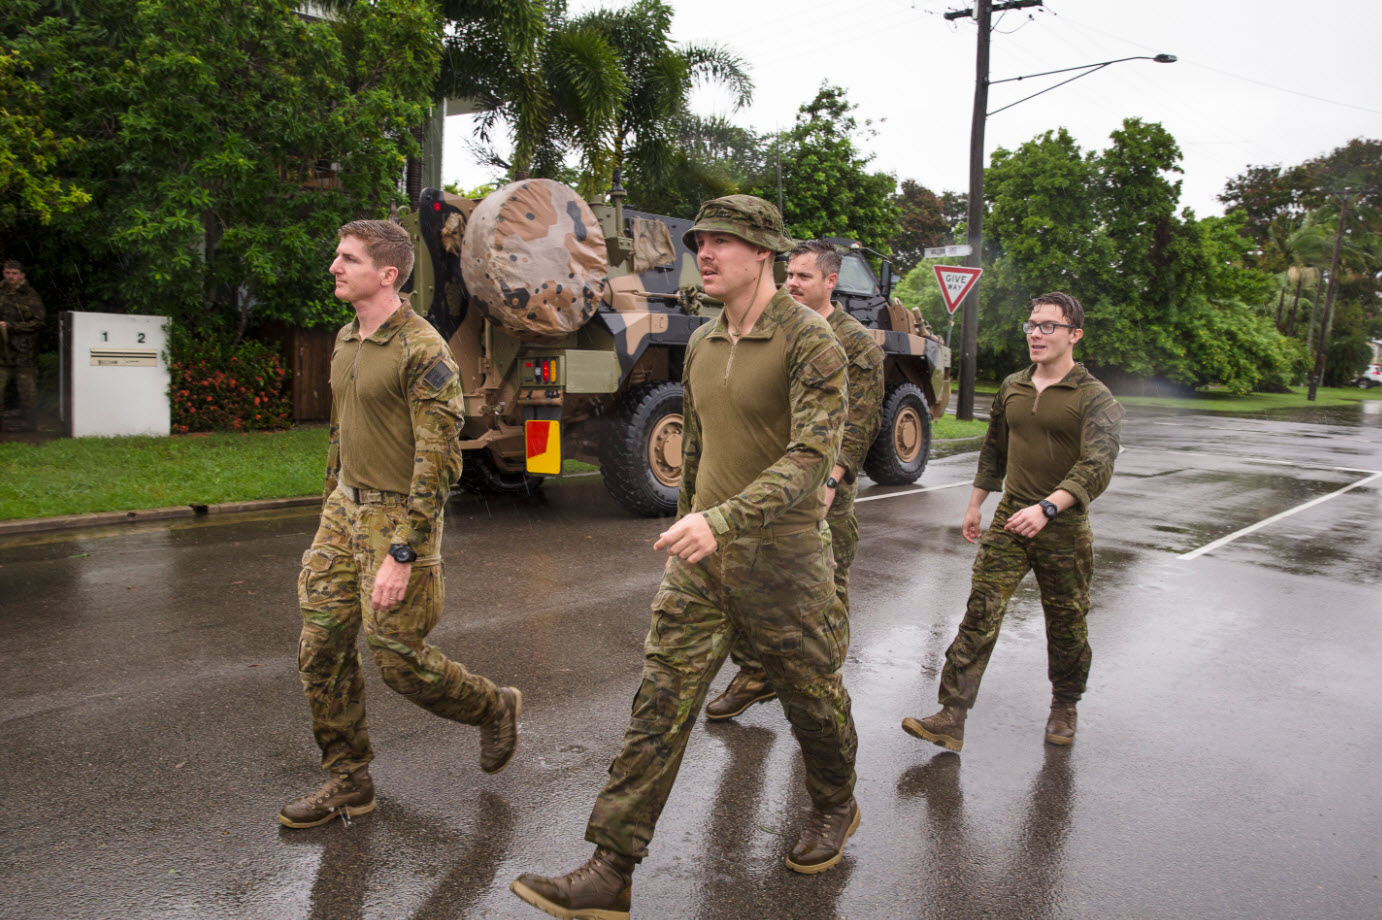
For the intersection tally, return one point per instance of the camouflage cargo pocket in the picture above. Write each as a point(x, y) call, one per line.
point(321, 582)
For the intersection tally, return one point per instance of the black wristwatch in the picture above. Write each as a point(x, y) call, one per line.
point(1049, 509)
point(402, 552)
point(831, 482)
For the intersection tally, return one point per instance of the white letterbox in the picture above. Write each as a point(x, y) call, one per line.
point(115, 378)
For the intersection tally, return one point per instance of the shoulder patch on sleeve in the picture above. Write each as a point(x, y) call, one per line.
point(827, 363)
point(438, 375)
point(1109, 415)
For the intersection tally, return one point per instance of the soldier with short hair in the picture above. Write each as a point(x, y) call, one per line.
point(764, 408)
point(1051, 445)
point(813, 267)
point(396, 409)
point(21, 320)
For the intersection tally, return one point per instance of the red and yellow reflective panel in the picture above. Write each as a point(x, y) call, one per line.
point(544, 446)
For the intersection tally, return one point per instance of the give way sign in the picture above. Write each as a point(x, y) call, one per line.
point(956, 281)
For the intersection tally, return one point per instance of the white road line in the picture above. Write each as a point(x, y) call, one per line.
point(1210, 547)
point(874, 498)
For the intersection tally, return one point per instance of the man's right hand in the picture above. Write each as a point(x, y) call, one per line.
point(973, 524)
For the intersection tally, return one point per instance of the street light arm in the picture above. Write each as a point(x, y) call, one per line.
point(1086, 70)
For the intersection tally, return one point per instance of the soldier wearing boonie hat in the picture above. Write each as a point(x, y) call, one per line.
point(748, 558)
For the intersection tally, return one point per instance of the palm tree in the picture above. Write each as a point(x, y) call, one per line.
point(618, 86)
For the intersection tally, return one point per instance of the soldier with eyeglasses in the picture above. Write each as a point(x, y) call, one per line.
point(1051, 445)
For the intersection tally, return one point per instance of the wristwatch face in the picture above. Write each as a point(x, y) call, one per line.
point(402, 553)
point(1049, 509)
point(832, 483)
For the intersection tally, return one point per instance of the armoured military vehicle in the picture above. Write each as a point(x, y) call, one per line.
point(569, 321)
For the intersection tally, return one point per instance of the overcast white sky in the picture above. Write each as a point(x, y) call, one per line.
point(1258, 81)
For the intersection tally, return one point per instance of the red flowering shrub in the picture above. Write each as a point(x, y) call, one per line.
point(216, 388)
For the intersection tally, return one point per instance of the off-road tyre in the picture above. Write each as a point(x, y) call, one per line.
point(640, 454)
point(899, 453)
point(480, 476)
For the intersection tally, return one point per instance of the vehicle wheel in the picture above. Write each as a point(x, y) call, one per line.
point(640, 455)
point(480, 476)
point(900, 451)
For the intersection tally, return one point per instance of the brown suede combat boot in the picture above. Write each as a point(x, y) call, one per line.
point(822, 840)
point(343, 796)
point(499, 733)
point(1060, 727)
point(745, 689)
point(601, 889)
point(946, 728)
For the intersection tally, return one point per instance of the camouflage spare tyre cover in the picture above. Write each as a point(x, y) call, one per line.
point(534, 258)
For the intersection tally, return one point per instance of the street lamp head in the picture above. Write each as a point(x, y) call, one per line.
point(1165, 59)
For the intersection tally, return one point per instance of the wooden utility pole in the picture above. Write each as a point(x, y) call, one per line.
point(1322, 343)
point(969, 328)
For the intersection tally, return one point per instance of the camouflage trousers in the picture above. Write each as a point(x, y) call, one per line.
point(25, 378)
point(334, 594)
point(844, 543)
point(1062, 555)
point(774, 589)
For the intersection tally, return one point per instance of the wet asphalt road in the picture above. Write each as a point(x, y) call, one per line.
point(1226, 764)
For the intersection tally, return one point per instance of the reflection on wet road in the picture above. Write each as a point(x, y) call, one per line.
point(153, 723)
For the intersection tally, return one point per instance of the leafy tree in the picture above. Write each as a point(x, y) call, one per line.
point(827, 188)
point(711, 158)
point(29, 151)
point(923, 224)
point(610, 87)
point(223, 143)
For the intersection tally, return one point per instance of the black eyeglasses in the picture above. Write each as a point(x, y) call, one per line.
point(1046, 328)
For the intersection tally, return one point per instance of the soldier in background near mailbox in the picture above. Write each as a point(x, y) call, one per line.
point(1051, 445)
point(376, 558)
point(764, 405)
point(21, 320)
point(812, 270)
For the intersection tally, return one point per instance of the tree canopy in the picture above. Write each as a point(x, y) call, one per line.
point(1166, 295)
point(222, 144)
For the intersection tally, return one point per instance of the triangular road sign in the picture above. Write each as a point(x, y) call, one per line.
point(956, 281)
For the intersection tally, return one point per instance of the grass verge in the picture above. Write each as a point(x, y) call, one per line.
point(949, 427)
point(1211, 400)
point(85, 475)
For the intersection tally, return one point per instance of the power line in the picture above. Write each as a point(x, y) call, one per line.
point(1225, 73)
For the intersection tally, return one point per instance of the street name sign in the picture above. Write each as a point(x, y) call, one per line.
point(947, 252)
point(956, 281)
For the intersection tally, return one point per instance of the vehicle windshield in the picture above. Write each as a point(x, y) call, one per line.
point(855, 277)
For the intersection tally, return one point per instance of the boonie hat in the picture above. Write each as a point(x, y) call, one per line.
point(750, 218)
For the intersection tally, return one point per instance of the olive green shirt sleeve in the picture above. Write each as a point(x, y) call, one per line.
point(993, 456)
point(435, 404)
point(817, 399)
point(690, 434)
point(333, 441)
point(333, 459)
point(1101, 431)
point(865, 412)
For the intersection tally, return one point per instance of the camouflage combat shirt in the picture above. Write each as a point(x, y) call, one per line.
point(1066, 437)
point(865, 372)
point(396, 411)
point(22, 311)
point(763, 419)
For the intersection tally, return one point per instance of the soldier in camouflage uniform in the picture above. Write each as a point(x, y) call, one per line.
point(376, 559)
point(750, 555)
point(812, 270)
point(1052, 441)
point(21, 320)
